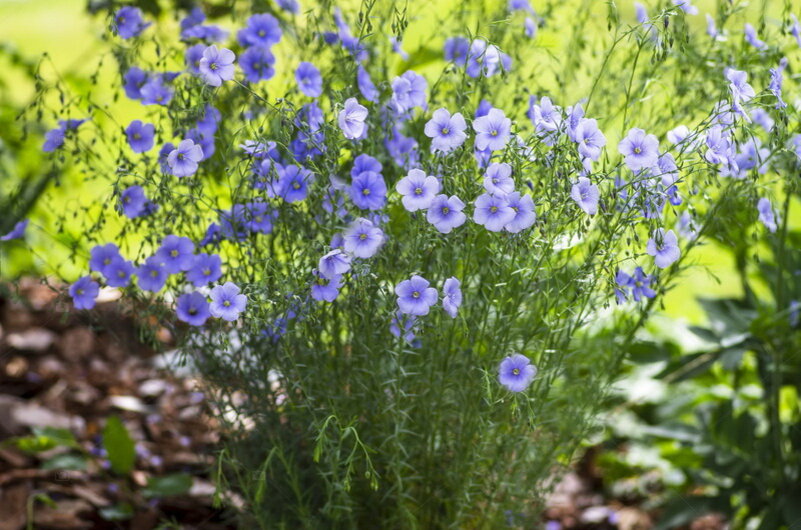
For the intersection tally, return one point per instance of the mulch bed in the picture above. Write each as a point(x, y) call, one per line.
point(66, 369)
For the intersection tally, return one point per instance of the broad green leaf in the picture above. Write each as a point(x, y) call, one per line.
point(68, 462)
point(118, 512)
point(119, 446)
point(176, 484)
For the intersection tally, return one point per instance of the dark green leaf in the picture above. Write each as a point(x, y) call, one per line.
point(69, 462)
point(176, 484)
point(118, 512)
point(119, 446)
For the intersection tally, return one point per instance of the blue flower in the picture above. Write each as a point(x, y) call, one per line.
point(128, 22)
point(530, 27)
point(766, 215)
point(261, 30)
point(686, 6)
point(118, 272)
point(752, 39)
point(204, 269)
point(203, 139)
point(520, 5)
point(193, 56)
point(498, 179)
point(523, 208)
point(257, 64)
point(397, 47)
point(204, 33)
point(795, 29)
point(18, 232)
point(795, 145)
point(216, 65)
point(309, 79)
point(486, 59)
point(589, 138)
point(325, 288)
point(402, 326)
point(639, 284)
point(335, 263)
point(586, 195)
point(151, 274)
point(452, 296)
point(364, 163)
point(213, 235)
point(352, 120)
point(227, 302)
point(415, 297)
point(640, 150)
point(666, 169)
point(192, 308)
point(664, 247)
point(516, 372)
point(493, 212)
point(492, 130)
point(741, 91)
point(183, 160)
point(409, 91)
point(176, 253)
point(293, 183)
point(711, 28)
point(366, 86)
point(418, 190)
point(259, 217)
point(402, 149)
point(310, 118)
point(363, 238)
point(720, 149)
point(54, 139)
point(155, 92)
point(289, 5)
point(546, 118)
point(193, 18)
point(133, 81)
point(368, 191)
point(140, 136)
point(456, 49)
point(101, 256)
point(776, 81)
point(84, 292)
point(233, 223)
point(445, 213)
point(446, 131)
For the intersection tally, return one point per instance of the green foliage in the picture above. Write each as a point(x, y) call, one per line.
point(44, 439)
point(736, 433)
point(330, 419)
point(119, 446)
point(175, 484)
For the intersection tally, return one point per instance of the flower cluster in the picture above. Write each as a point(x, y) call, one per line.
point(646, 179)
point(175, 256)
point(381, 231)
